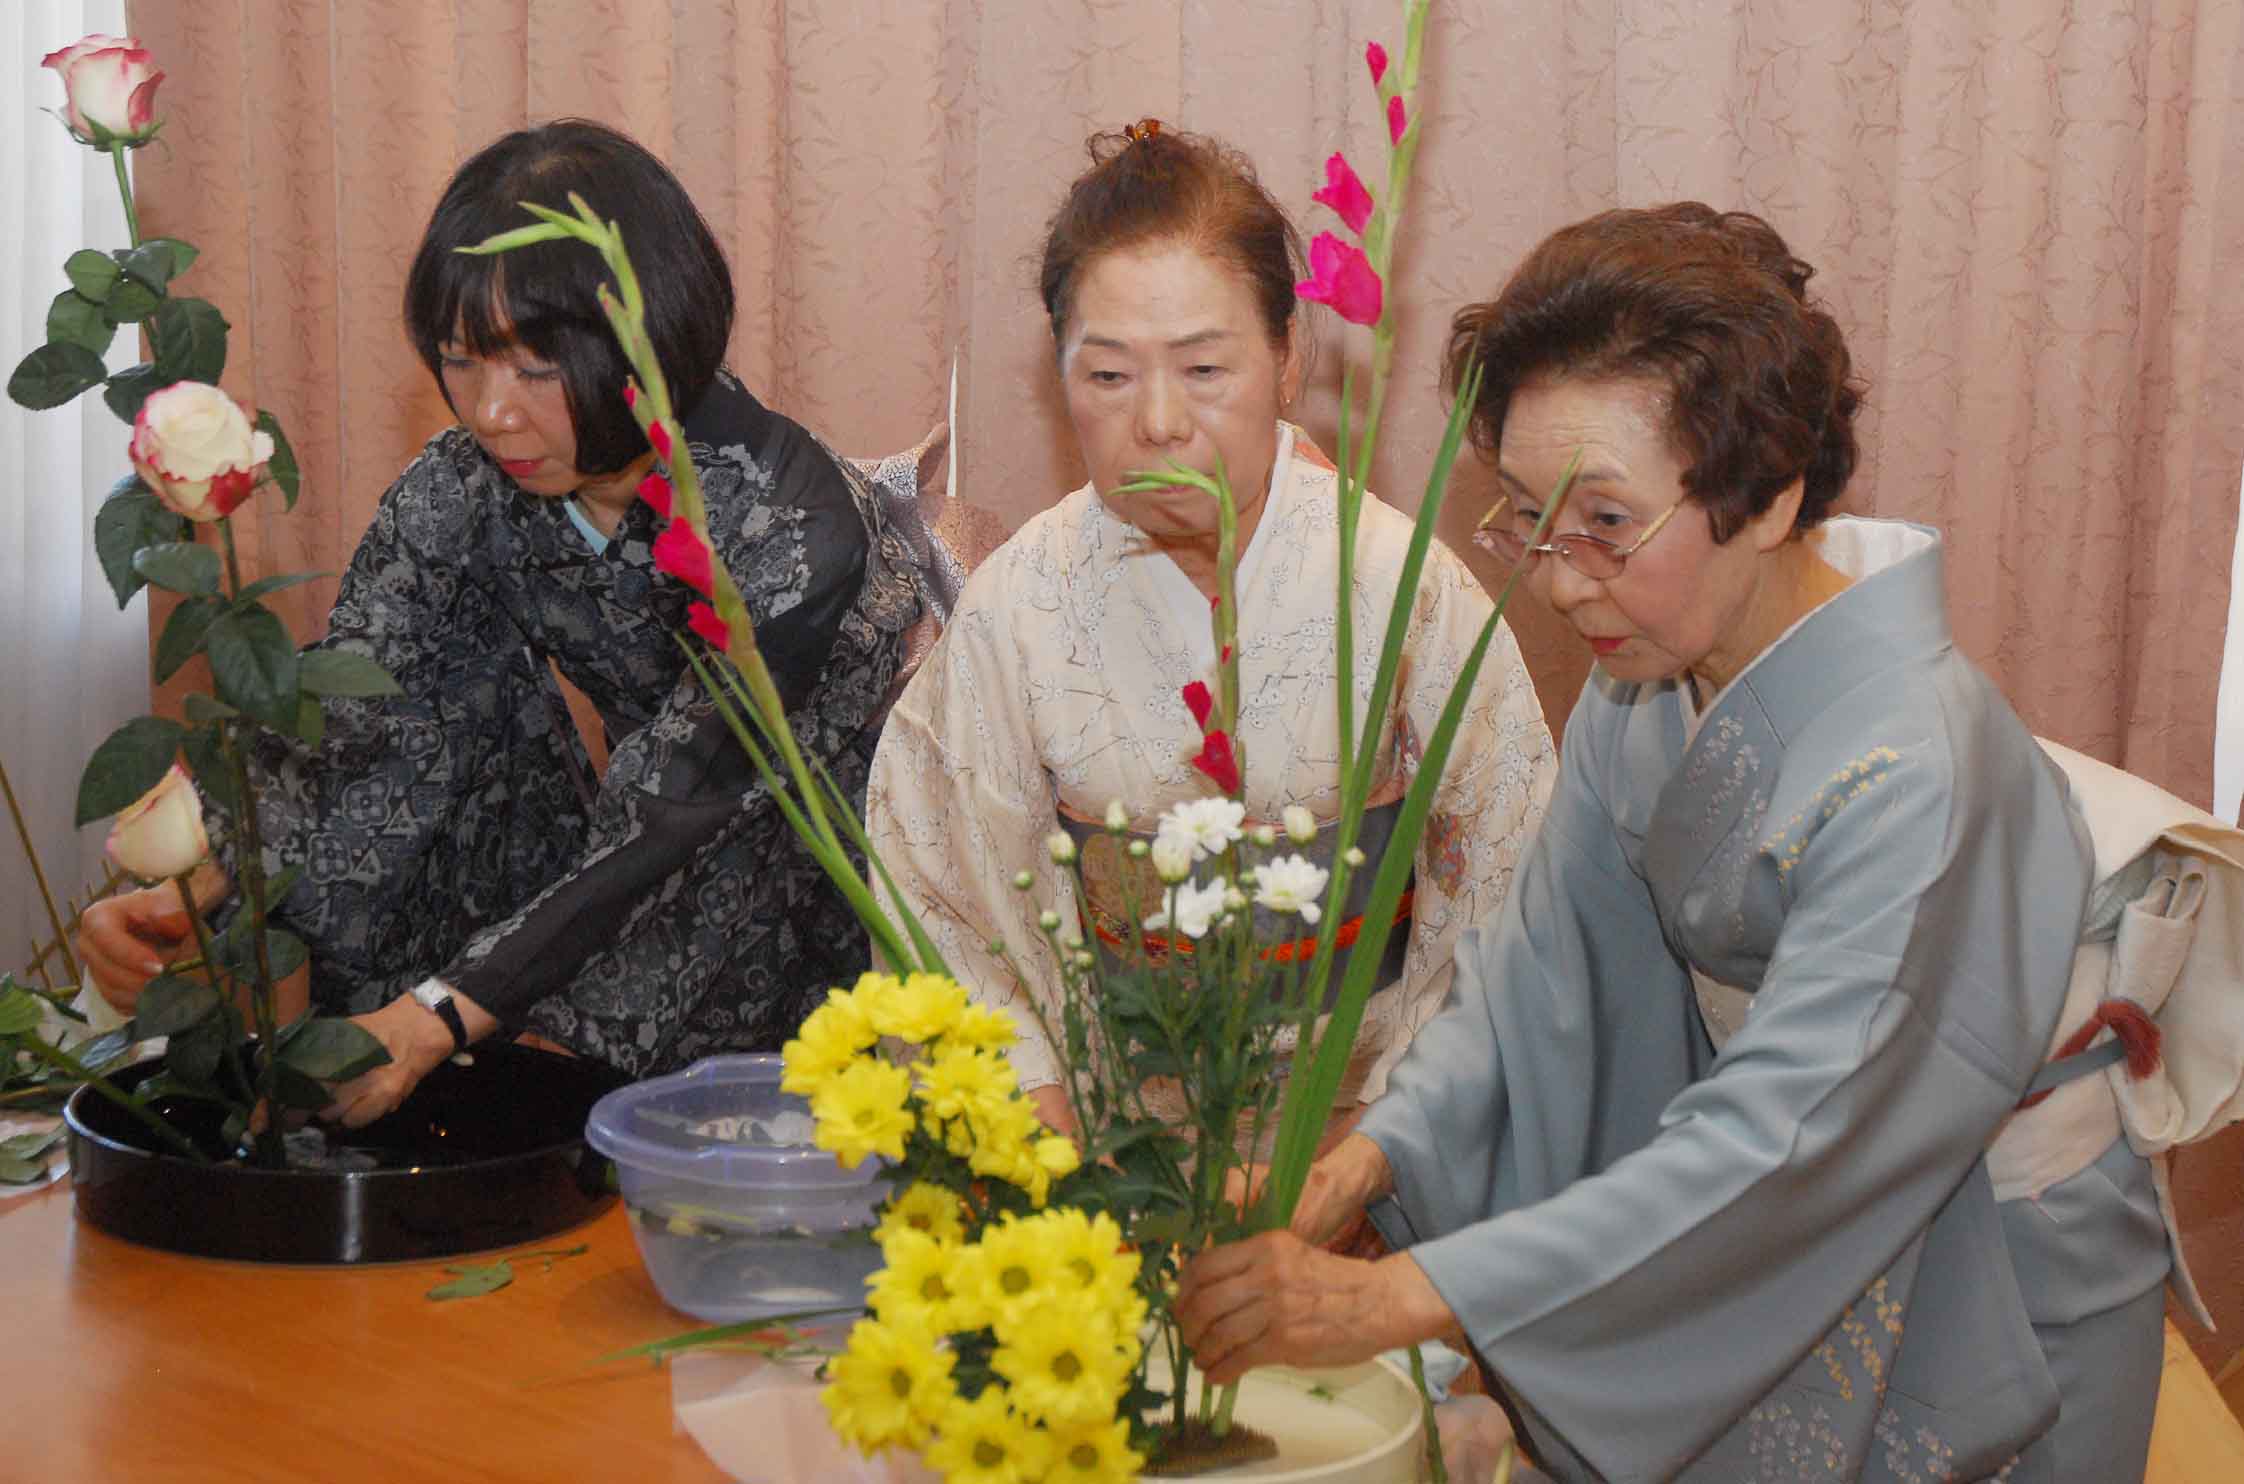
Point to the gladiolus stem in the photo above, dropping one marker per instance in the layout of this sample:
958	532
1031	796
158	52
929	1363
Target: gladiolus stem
124	189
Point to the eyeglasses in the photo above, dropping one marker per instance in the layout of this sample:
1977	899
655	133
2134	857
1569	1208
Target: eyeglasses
1508	534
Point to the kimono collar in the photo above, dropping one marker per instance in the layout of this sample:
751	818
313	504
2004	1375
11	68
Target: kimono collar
1895	610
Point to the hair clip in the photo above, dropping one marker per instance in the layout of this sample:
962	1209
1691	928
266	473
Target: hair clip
1141	131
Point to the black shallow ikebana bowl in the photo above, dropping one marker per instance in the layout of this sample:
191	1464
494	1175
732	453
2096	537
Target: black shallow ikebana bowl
487	1155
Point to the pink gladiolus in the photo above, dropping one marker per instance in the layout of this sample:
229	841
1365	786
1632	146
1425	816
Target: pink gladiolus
681	553
1218	761
703	620
1398	122
659	436
1344	279
1199	703
630	395
655	490
1375	57
1344	192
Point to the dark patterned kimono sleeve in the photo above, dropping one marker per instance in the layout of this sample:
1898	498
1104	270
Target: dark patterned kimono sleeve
694	921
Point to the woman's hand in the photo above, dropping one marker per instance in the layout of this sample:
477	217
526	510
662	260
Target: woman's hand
1274	1299
1051	1106
128	939
418	1043
1340	1185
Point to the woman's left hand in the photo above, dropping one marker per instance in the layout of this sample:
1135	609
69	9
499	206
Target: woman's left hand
1274	1299
417	1043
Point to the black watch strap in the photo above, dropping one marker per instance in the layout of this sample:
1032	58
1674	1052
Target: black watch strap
449	1013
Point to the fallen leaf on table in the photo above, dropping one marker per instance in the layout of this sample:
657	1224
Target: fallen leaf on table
476	1279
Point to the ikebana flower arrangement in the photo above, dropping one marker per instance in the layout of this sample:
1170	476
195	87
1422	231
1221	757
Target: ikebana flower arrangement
992	1219
198	456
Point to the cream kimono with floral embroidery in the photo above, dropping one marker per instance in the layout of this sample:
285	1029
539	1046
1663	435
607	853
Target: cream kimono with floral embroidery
1057	688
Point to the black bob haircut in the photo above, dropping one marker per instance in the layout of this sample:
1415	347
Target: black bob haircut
544	297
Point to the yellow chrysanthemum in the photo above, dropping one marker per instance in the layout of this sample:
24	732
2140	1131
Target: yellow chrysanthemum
926	1208
831	1036
981	1029
872	994
1064	1363
1014	1268
917	1282
861	1110
1052	1157
1002	1131
958	1082
1090	1249
1093	1453
985	1442
923	1007
888	1387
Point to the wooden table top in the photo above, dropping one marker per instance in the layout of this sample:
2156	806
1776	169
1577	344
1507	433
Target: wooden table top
118	1363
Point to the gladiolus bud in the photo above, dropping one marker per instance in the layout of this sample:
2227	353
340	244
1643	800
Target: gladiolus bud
679	552
703	620
1344	192
1398	122
1344	278
655	490
1375	57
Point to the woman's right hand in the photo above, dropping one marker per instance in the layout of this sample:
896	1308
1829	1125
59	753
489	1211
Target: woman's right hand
1343	1181
128	939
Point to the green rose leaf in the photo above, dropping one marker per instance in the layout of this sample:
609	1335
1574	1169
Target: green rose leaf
311	720
183	254
171	1004
151	263
179	566
282	465
20	1011
92	273
339	672
31	1146
193	1055
332	1050
189	336
126	765
130	518
296	1090
254	662
474	1281
53	374
14	1171
206	760
131	387
281	883
74	319
264	585
101	1051
131	301
202	708
183	634
236	950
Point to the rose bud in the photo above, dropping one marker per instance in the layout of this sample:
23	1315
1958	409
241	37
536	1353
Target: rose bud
195	447
160	834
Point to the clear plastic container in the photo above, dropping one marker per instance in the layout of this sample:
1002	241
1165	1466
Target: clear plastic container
737	1214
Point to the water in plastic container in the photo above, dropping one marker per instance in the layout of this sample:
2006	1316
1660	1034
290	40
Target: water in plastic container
737	1214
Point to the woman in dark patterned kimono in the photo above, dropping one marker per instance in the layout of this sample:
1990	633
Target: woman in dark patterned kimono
464	872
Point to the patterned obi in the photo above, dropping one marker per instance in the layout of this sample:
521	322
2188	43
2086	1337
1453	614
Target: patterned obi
1112	881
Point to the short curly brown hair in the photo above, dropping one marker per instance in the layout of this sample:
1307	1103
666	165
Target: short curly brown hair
1710	306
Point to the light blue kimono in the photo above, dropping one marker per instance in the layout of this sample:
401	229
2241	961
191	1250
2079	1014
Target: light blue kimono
1785	1260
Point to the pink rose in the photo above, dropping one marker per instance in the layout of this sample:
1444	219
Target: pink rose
1344	279
108	90
681	553
160	834
195	447
1344	192
704	620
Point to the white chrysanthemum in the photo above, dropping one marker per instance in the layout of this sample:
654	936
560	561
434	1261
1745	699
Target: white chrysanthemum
1207	825
1291	883
1172	859
1196	907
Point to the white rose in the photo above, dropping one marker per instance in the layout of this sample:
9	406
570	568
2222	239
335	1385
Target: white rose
195	447
160	834
108	89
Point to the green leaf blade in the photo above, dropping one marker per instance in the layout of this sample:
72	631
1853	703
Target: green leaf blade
128	763
340	672
253	661
74	319
332	1050
282	465
182	638
189	338
187	567
54	374
92	273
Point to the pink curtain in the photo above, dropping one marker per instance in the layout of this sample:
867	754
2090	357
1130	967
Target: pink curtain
2029	218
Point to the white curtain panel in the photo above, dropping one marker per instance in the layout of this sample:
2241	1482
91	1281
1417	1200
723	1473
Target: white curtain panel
72	667
2228	718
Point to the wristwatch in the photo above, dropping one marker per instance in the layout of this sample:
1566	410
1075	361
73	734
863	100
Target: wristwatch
436	996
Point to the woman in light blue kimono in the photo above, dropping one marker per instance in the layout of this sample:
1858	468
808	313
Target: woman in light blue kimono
1696	1154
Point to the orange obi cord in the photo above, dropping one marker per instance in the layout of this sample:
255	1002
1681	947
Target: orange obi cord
1296	951
2139	1037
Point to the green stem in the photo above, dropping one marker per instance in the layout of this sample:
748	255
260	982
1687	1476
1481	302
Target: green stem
1437	1468
124	190
55	1056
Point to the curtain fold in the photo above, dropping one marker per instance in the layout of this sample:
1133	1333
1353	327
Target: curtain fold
73	668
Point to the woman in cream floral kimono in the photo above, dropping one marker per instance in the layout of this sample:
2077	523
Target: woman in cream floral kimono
1056	688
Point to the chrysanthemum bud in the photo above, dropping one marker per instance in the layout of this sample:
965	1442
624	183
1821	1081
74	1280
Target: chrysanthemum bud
1353	856
1263	836
1117	816
1022	880
1048	920
1301	825
1061	846
1139	850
